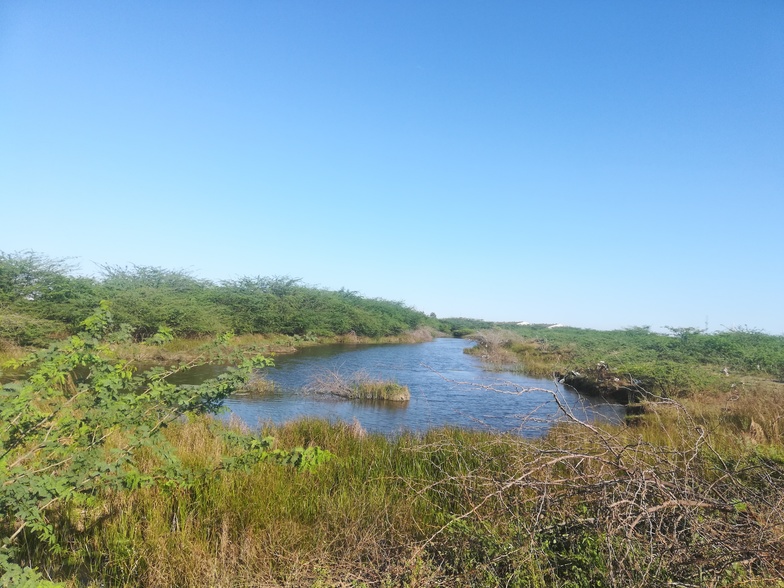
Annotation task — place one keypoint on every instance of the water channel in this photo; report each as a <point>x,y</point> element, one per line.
<point>448,388</point>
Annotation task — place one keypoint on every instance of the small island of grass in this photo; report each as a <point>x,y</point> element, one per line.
<point>359,386</point>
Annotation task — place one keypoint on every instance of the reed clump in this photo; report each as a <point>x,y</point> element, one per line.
<point>258,384</point>
<point>358,386</point>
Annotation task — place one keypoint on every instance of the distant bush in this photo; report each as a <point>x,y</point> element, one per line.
<point>683,361</point>
<point>35,289</point>
<point>37,286</point>
<point>28,330</point>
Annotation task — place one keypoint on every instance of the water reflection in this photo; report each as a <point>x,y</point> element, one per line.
<point>448,388</point>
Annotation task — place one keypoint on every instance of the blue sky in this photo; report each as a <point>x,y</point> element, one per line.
<point>600,164</point>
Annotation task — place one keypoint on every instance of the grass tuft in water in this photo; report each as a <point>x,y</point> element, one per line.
<point>358,386</point>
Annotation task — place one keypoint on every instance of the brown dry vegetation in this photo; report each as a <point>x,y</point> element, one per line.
<point>690,494</point>
<point>186,349</point>
<point>357,386</point>
<point>503,349</point>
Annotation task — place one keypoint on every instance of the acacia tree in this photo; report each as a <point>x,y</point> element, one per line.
<point>39,298</point>
<point>150,297</point>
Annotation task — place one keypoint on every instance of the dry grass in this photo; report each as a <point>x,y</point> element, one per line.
<point>358,386</point>
<point>176,351</point>
<point>258,384</point>
<point>350,338</point>
<point>9,351</point>
<point>686,496</point>
<point>493,347</point>
<point>750,412</point>
<point>420,335</point>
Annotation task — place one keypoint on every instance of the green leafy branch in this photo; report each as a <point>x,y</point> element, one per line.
<point>77,421</point>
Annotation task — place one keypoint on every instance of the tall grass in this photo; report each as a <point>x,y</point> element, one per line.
<point>686,496</point>
<point>356,516</point>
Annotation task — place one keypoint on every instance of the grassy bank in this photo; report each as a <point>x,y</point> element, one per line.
<point>663,502</point>
<point>187,349</point>
<point>634,362</point>
<point>231,350</point>
<point>110,478</point>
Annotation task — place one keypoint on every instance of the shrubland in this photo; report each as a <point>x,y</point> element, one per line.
<point>623,362</point>
<point>41,299</point>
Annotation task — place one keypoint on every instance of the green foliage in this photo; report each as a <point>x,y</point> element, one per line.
<point>149,298</point>
<point>23,329</point>
<point>283,305</point>
<point>255,449</point>
<point>39,299</point>
<point>164,335</point>
<point>15,576</point>
<point>461,327</point>
<point>684,361</point>
<point>77,422</point>
<point>483,554</point>
<point>576,556</point>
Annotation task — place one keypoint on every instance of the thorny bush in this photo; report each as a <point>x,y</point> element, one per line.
<point>76,423</point>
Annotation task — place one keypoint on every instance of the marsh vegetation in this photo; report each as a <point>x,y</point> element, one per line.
<point>115,475</point>
<point>359,385</point>
<point>623,363</point>
<point>688,495</point>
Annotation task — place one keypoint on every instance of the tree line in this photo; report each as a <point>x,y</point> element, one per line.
<point>41,298</point>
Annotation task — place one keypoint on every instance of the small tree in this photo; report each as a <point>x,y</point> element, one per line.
<point>76,424</point>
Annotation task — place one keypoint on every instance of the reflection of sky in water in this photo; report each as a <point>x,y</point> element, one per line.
<point>447,387</point>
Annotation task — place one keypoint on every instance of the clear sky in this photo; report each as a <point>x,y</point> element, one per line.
<point>600,164</point>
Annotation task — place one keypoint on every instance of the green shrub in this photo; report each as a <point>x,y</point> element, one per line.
<point>25,330</point>
<point>77,423</point>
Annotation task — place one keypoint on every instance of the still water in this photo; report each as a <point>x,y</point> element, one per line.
<point>448,387</point>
